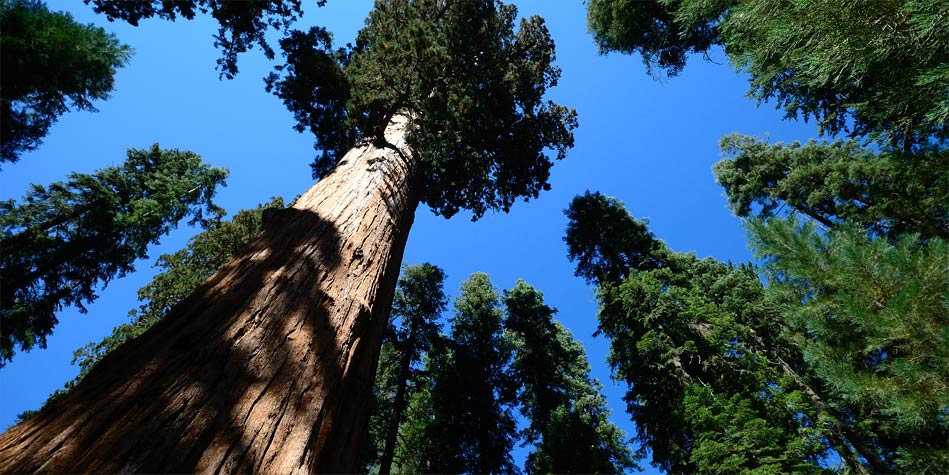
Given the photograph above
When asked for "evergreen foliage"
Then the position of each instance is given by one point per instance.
(664, 33)
(568, 419)
(471, 80)
(413, 331)
(50, 64)
(716, 381)
(888, 193)
(871, 317)
(242, 24)
(869, 67)
(62, 241)
(594, 224)
(473, 429)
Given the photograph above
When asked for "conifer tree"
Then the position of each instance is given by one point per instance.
(62, 241)
(568, 422)
(462, 422)
(888, 193)
(704, 354)
(418, 304)
(242, 24)
(50, 64)
(869, 67)
(278, 349)
(870, 316)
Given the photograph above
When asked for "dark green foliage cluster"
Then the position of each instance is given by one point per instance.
(888, 193)
(850, 333)
(871, 316)
(62, 241)
(460, 398)
(414, 331)
(470, 426)
(593, 222)
(703, 397)
(569, 422)
(50, 64)
(664, 33)
(181, 272)
(870, 67)
(467, 75)
(242, 24)
(845, 350)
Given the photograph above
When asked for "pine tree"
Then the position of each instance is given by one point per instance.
(463, 422)
(568, 419)
(418, 304)
(277, 350)
(62, 241)
(704, 354)
(50, 64)
(888, 193)
(871, 318)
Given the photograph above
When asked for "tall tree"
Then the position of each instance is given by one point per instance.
(62, 241)
(467, 425)
(870, 316)
(50, 64)
(418, 304)
(862, 298)
(269, 365)
(704, 354)
(568, 419)
(242, 24)
(869, 67)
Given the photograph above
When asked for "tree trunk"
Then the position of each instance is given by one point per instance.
(266, 368)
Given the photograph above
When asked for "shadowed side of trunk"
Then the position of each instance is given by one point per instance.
(268, 366)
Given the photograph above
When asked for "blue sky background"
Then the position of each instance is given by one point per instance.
(650, 143)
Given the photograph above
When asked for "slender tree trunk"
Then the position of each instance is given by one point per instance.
(268, 366)
(392, 431)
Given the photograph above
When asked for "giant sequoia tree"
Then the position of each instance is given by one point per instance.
(268, 366)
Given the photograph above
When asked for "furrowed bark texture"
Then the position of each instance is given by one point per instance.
(268, 366)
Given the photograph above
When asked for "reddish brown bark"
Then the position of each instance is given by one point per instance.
(268, 366)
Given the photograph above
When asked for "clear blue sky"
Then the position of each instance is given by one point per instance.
(649, 143)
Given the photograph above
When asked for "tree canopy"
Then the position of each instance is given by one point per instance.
(62, 241)
(844, 350)
(869, 68)
(470, 78)
(50, 64)
(568, 421)
(242, 24)
(888, 193)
